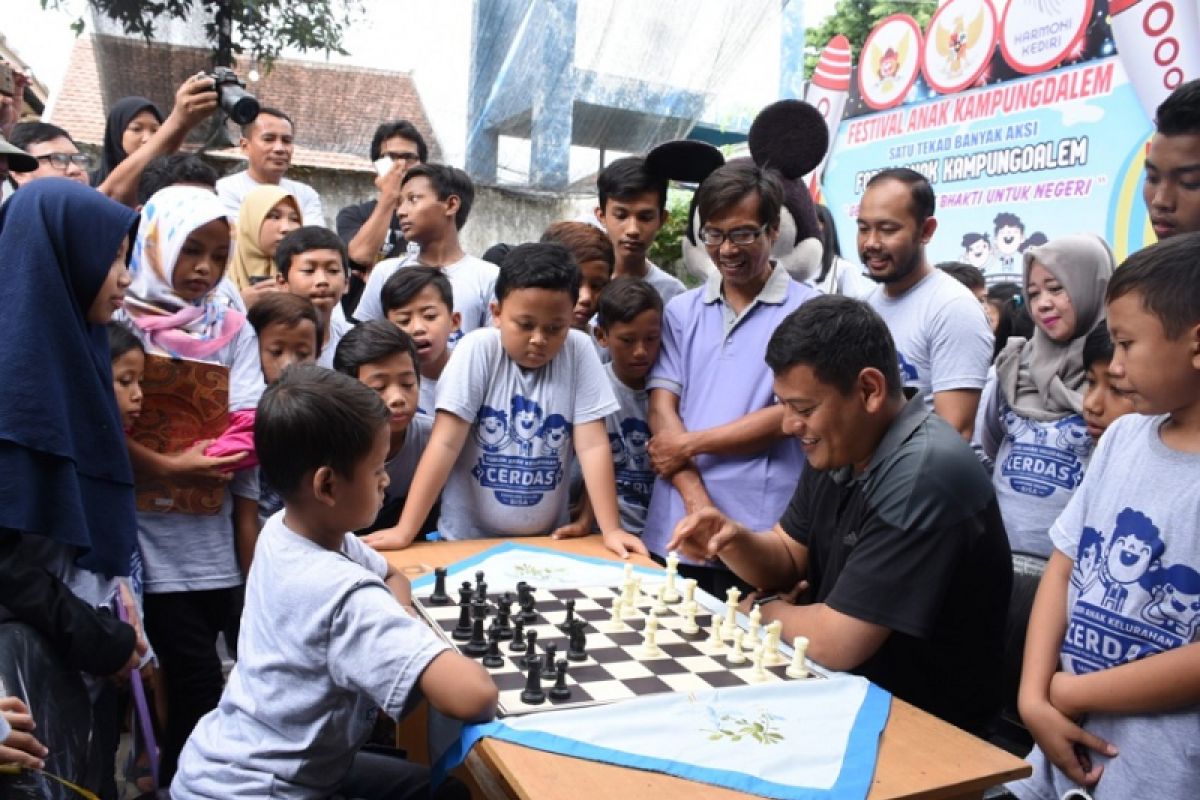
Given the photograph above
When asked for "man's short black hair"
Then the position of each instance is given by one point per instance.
(172, 169)
(121, 340)
(730, 184)
(404, 129)
(270, 112)
(1097, 347)
(625, 298)
(541, 265)
(838, 337)
(26, 133)
(968, 275)
(447, 181)
(1180, 112)
(407, 282)
(1164, 276)
(625, 179)
(369, 342)
(305, 238)
(922, 200)
(286, 309)
(310, 418)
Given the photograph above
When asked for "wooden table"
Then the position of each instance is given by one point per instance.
(920, 757)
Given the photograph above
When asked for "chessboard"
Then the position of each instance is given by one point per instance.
(615, 664)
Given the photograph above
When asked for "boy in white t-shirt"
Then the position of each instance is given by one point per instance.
(420, 302)
(325, 639)
(1110, 690)
(516, 404)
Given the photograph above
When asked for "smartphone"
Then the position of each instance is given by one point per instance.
(383, 165)
(255, 280)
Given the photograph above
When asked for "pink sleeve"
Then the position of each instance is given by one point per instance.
(237, 438)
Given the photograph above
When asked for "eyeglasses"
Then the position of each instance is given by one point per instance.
(60, 161)
(742, 237)
(407, 158)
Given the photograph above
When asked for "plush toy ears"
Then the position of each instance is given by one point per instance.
(789, 136)
(685, 160)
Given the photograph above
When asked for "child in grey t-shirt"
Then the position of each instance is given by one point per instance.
(325, 638)
(516, 404)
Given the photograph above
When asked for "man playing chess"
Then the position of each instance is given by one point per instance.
(891, 552)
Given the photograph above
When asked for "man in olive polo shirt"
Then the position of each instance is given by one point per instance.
(892, 551)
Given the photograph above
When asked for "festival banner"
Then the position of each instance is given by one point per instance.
(1024, 116)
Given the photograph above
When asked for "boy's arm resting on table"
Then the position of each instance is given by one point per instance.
(1056, 734)
(1162, 682)
(582, 522)
(446, 441)
(595, 460)
(671, 450)
(459, 687)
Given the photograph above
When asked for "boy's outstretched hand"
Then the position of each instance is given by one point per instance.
(623, 543)
(1065, 743)
(387, 539)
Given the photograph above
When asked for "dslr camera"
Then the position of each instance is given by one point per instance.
(240, 105)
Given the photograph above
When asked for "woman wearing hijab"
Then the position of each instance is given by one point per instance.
(67, 524)
(267, 214)
(131, 123)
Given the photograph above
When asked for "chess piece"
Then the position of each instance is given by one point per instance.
(533, 694)
(774, 631)
(527, 602)
(560, 690)
(518, 643)
(689, 590)
(689, 626)
(502, 624)
(736, 656)
(671, 595)
(629, 599)
(614, 623)
(760, 673)
(439, 596)
(755, 625)
(479, 584)
(717, 639)
(465, 593)
(577, 641)
(731, 602)
(550, 657)
(565, 625)
(531, 653)
(797, 668)
(650, 648)
(478, 645)
(462, 631)
(660, 600)
(492, 657)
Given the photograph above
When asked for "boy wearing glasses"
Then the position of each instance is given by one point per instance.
(56, 153)
(717, 433)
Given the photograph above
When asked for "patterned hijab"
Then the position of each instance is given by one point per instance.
(1042, 379)
(175, 326)
(249, 260)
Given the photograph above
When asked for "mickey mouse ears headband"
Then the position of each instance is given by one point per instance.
(789, 136)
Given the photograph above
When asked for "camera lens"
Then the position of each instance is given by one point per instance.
(240, 105)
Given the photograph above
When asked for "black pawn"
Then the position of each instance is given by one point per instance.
(462, 631)
(492, 657)
(518, 644)
(577, 642)
(533, 694)
(565, 625)
(439, 596)
(502, 623)
(551, 656)
(479, 584)
(560, 690)
(532, 656)
(478, 645)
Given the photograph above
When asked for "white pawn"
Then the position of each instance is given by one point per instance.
(614, 622)
(736, 656)
(797, 668)
(716, 639)
(689, 620)
(629, 599)
(755, 625)
(731, 601)
(760, 673)
(689, 590)
(650, 647)
(774, 658)
(660, 600)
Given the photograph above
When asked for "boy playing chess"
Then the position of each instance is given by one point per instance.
(1111, 689)
(515, 405)
(325, 638)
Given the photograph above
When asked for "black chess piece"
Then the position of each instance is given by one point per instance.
(565, 625)
(527, 602)
(551, 657)
(479, 584)
(465, 592)
(478, 645)
(560, 690)
(502, 623)
(492, 657)
(462, 631)
(533, 694)
(577, 641)
(531, 653)
(439, 596)
(518, 644)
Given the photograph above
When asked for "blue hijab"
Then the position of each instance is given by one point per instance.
(64, 468)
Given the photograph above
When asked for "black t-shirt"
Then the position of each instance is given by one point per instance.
(915, 544)
(349, 220)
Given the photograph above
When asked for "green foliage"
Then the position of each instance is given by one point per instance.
(854, 19)
(735, 728)
(261, 28)
(667, 250)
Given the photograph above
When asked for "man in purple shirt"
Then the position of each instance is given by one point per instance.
(718, 438)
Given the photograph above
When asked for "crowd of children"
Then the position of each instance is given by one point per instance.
(563, 391)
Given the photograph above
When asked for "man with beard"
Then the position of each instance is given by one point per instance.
(943, 339)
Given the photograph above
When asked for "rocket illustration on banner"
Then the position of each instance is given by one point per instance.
(1158, 42)
(827, 94)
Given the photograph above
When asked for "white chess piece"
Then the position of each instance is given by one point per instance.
(614, 621)
(716, 639)
(731, 601)
(650, 647)
(671, 595)
(774, 658)
(660, 600)
(797, 668)
(760, 673)
(755, 624)
(689, 590)
(689, 620)
(629, 599)
(736, 656)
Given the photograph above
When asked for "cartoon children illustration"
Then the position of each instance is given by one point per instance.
(1008, 237)
(1133, 549)
(1073, 435)
(1175, 600)
(637, 439)
(491, 429)
(526, 422)
(555, 433)
(1087, 564)
(977, 250)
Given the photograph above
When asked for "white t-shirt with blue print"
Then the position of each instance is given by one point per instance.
(512, 476)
